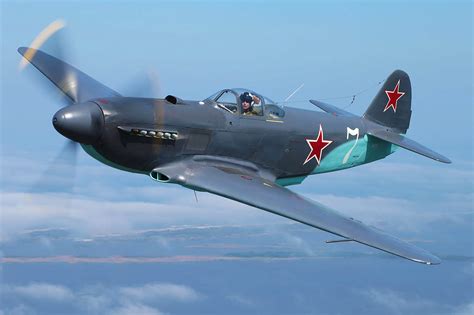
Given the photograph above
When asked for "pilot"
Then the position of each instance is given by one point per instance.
(248, 101)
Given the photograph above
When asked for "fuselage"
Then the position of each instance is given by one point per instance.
(141, 134)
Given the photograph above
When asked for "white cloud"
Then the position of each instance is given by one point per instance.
(467, 309)
(22, 211)
(94, 300)
(397, 213)
(43, 291)
(294, 242)
(134, 309)
(161, 291)
(398, 303)
(114, 300)
(117, 202)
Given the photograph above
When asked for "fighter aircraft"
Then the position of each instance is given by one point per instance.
(239, 144)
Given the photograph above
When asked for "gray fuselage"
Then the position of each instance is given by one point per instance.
(275, 144)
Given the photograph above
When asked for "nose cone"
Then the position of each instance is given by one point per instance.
(80, 122)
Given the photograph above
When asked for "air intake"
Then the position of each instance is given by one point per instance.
(160, 177)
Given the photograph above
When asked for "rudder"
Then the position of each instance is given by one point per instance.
(391, 107)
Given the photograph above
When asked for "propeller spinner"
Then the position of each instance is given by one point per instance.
(81, 122)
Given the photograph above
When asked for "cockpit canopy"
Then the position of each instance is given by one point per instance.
(246, 102)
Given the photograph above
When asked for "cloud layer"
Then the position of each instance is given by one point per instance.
(118, 202)
(145, 299)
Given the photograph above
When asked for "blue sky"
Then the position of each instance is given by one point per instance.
(123, 244)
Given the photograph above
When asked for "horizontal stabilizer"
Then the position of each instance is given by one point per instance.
(408, 144)
(331, 109)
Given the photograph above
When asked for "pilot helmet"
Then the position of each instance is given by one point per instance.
(246, 97)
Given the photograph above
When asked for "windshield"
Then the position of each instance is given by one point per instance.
(227, 100)
(240, 91)
(213, 96)
(247, 102)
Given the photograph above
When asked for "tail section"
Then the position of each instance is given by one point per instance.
(391, 107)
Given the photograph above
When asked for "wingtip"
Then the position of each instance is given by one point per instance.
(442, 159)
(431, 260)
(446, 160)
(434, 261)
(437, 262)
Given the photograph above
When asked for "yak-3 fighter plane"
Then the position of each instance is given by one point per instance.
(239, 144)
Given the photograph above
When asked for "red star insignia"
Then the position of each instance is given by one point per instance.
(393, 97)
(317, 146)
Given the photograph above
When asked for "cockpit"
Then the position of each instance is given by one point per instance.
(247, 103)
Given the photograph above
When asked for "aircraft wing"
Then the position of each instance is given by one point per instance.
(75, 84)
(258, 192)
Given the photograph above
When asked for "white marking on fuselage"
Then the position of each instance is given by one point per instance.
(354, 133)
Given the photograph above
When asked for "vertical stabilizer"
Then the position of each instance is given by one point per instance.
(391, 107)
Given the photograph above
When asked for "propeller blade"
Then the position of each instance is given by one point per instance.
(61, 172)
(41, 41)
(145, 84)
(52, 39)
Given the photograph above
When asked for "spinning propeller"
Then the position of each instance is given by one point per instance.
(78, 119)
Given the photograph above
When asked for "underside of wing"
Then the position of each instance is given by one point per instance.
(75, 84)
(265, 194)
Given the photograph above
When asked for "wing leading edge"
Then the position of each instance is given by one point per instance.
(266, 195)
